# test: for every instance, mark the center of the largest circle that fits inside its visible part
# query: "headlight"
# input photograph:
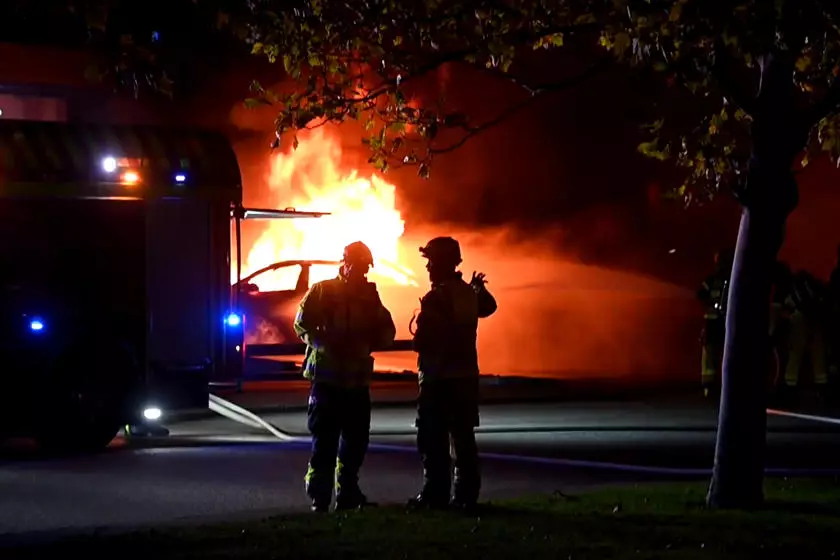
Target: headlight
(152, 413)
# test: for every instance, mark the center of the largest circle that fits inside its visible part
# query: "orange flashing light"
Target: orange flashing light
(130, 178)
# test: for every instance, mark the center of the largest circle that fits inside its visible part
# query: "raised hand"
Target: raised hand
(478, 280)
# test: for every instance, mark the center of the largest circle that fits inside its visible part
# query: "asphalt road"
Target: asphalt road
(213, 468)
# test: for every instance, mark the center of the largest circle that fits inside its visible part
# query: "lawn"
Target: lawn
(801, 520)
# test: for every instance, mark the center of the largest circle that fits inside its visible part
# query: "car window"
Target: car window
(278, 280)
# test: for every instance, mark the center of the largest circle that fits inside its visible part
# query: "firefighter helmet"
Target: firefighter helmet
(357, 253)
(442, 249)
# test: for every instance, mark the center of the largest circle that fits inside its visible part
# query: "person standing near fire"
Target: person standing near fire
(341, 320)
(447, 405)
(713, 294)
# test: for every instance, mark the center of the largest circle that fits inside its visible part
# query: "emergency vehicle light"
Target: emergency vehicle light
(233, 320)
(109, 164)
(36, 325)
(130, 178)
(180, 178)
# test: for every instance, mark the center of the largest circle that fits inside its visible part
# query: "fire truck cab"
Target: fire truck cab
(115, 288)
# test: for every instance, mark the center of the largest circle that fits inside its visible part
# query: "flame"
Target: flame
(362, 208)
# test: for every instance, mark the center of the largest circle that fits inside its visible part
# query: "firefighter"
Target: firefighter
(447, 405)
(780, 311)
(713, 293)
(341, 320)
(806, 299)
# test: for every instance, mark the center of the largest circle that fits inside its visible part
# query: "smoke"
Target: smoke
(559, 317)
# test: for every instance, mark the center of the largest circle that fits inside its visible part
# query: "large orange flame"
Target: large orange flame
(362, 208)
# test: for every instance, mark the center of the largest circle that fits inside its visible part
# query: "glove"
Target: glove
(478, 281)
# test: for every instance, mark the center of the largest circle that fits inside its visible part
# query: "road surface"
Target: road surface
(215, 469)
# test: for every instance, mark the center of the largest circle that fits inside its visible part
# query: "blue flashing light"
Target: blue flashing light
(233, 320)
(109, 164)
(180, 178)
(36, 325)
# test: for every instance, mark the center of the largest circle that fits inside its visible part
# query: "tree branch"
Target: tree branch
(829, 104)
(729, 87)
(534, 94)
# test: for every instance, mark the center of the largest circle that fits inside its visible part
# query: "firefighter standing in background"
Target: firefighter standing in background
(807, 320)
(341, 320)
(713, 293)
(780, 311)
(447, 406)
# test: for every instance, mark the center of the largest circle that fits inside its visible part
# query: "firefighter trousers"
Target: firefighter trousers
(447, 415)
(712, 357)
(806, 338)
(339, 420)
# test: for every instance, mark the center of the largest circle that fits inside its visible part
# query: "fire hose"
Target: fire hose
(244, 416)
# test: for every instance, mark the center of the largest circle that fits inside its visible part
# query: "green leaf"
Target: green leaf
(676, 12)
(621, 43)
(254, 102)
(803, 62)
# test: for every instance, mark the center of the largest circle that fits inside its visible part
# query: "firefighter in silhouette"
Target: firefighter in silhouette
(807, 325)
(713, 293)
(780, 311)
(341, 320)
(447, 406)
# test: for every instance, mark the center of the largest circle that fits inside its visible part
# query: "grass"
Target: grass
(801, 520)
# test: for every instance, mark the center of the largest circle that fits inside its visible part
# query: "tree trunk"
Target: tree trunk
(738, 476)
(778, 136)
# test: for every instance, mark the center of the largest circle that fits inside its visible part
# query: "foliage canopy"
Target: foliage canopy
(357, 59)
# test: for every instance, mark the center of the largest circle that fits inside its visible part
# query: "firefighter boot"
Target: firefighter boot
(433, 445)
(348, 495)
(467, 484)
(318, 488)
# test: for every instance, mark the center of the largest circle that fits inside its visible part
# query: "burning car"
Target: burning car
(270, 314)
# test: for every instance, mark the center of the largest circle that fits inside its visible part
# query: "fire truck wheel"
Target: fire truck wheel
(89, 392)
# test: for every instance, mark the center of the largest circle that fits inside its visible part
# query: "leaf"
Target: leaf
(257, 48)
(676, 12)
(803, 62)
(621, 43)
(254, 102)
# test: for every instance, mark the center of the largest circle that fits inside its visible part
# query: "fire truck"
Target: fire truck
(115, 292)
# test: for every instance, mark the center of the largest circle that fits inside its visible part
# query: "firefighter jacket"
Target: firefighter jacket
(807, 296)
(447, 329)
(834, 291)
(713, 294)
(341, 325)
